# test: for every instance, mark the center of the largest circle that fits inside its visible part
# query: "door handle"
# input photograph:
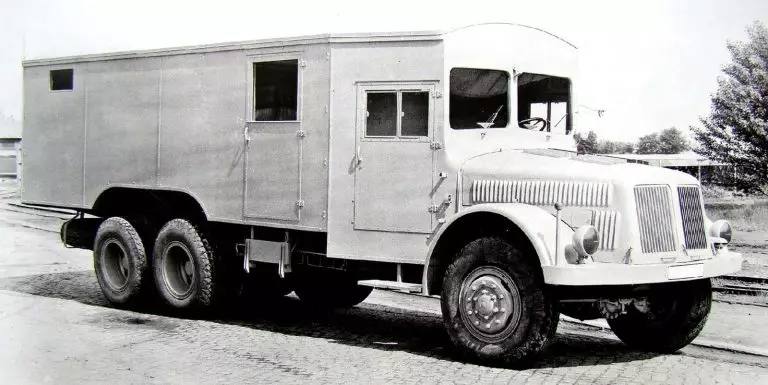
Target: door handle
(245, 135)
(358, 156)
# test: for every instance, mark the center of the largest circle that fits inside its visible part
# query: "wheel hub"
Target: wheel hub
(490, 303)
(178, 269)
(116, 265)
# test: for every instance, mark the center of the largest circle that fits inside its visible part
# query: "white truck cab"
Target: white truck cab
(439, 163)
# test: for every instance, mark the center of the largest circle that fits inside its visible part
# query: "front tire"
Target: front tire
(183, 264)
(677, 313)
(119, 261)
(495, 305)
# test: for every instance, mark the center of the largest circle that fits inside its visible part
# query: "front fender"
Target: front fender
(537, 224)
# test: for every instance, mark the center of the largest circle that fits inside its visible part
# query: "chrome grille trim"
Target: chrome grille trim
(692, 214)
(537, 192)
(654, 217)
(605, 222)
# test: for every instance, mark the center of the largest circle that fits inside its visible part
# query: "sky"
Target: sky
(650, 64)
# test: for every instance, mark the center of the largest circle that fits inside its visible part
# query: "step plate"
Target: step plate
(391, 285)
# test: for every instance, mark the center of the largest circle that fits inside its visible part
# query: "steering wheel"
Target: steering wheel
(534, 122)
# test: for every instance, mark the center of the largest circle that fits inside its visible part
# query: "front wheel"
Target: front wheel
(495, 305)
(676, 314)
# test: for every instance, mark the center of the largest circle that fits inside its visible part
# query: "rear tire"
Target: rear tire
(329, 289)
(678, 312)
(183, 266)
(120, 261)
(495, 305)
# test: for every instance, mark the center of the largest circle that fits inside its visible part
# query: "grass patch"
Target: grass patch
(743, 216)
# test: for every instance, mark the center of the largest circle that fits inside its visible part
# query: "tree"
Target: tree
(736, 131)
(649, 144)
(672, 141)
(586, 145)
(611, 147)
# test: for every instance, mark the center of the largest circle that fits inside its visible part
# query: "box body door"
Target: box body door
(394, 159)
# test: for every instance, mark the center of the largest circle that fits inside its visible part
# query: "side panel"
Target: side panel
(54, 127)
(201, 129)
(175, 122)
(416, 61)
(121, 134)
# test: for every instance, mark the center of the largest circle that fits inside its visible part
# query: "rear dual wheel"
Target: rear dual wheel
(183, 266)
(120, 261)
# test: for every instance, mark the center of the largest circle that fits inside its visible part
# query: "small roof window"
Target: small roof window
(62, 80)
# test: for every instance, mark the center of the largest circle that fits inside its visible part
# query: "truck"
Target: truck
(436, 163)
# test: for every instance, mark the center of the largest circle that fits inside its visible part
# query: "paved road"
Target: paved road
(55, 327)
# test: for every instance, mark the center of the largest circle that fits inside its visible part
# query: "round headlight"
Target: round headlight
(721, 229)
(586, 240)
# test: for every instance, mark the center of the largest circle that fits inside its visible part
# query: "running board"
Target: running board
(391, 285)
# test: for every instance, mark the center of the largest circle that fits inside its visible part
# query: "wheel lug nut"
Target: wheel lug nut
(495, 310)
(488, 326)
(498, 321)
(474, 287)
(501, 296)
(486, 317)
(484, 291)
(469, 312)
(503, 310)
(477, 323)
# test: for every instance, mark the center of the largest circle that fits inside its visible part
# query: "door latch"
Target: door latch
(435, 146)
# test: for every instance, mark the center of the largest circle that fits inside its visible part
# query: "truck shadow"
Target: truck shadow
(366, 325)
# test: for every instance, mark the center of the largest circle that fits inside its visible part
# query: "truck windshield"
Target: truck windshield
(479, 98)
(544, 103)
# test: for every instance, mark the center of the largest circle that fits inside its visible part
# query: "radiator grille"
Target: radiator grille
(605, 223)
(654, 216)
(692, 216)
(537, 192)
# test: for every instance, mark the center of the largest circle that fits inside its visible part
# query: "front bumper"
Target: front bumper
(595, 274)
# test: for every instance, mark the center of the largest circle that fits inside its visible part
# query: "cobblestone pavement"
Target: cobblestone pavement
(55, 327)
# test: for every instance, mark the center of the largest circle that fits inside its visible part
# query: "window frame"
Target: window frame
(568, 130)
(364, 88)
(50, 79)
(511, 99)
(251, 94)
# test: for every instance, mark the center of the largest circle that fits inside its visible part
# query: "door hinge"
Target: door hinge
(438, 94)
(433, 208)
(299, 203)
(435, 146)
(303, 63)
(301, 133)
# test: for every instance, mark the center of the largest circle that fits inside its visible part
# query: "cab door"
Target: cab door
(394, 157)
